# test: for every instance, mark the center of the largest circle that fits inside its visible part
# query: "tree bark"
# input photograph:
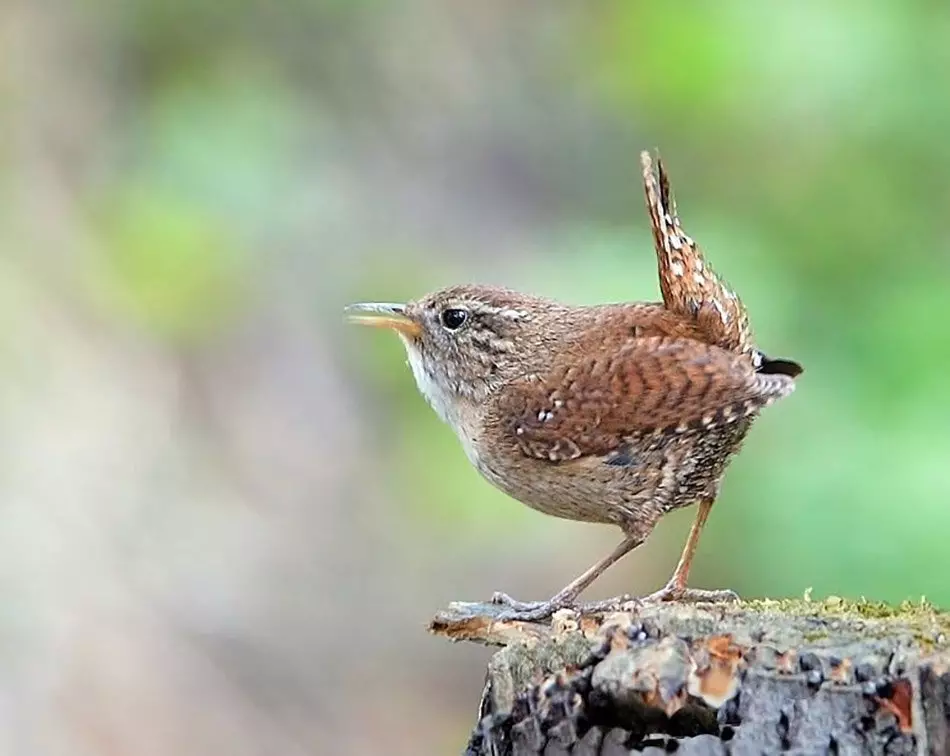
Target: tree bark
(794, 677)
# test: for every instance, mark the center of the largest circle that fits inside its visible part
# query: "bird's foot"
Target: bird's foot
(669, 592)
(530, 611)
(504, 599)
(674, 592)
(534, 611)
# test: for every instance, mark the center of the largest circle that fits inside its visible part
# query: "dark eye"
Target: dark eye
(453, 318)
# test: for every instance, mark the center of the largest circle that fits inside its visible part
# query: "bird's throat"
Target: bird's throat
(436, 394)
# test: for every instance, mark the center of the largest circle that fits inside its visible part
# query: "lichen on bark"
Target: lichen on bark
(797, 675)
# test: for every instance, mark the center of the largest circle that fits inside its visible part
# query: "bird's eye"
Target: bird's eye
(453, 318)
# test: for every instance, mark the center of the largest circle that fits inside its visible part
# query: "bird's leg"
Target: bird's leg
(538, 610)
(676, 589)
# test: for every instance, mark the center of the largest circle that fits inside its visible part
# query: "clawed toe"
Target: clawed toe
(722, 595)
(528, 611)
(534, 611)
(540, 612)
(673, 592)
(504, 599)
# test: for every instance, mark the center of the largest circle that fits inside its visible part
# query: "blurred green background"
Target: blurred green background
(227, 518)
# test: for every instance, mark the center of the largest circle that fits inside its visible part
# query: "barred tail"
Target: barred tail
(690, 286)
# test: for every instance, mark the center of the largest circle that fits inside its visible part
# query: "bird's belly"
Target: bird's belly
(585, 490)
(634, 495)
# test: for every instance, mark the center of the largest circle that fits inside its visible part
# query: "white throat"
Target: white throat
(436, 395)
(451, 409)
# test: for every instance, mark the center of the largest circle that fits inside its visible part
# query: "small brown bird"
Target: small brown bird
(613, 413)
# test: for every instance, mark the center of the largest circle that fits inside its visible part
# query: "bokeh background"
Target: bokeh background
(225, 519)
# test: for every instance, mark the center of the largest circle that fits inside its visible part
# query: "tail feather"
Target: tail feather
(768, 366)
(689, 284)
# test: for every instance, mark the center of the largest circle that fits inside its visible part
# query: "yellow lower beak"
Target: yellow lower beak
(382, 315)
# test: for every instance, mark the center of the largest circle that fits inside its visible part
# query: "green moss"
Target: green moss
(927, 625)
(835, 606)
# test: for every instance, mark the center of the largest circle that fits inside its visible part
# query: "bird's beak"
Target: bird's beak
(383, 315)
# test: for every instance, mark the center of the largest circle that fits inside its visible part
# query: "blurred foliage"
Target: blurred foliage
(165, 266)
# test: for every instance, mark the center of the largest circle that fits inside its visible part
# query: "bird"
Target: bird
(614, 413)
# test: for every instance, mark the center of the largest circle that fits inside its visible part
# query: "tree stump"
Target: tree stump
(761, 677)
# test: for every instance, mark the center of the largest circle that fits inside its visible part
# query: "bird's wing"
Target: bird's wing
(593, 405)
(689, 284)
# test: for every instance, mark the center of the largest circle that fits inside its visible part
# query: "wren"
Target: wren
(615, 413)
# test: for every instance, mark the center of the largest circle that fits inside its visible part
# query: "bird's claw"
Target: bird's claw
(534, 611)
(527, 611)
(504, 599)
(673, 592)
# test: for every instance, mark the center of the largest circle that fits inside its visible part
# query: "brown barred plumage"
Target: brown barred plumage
(613, 413)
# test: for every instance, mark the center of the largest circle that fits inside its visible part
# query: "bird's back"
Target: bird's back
(643, 405)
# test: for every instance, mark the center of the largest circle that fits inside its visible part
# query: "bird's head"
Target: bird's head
(465, 341)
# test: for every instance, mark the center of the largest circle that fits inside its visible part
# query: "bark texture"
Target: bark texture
(793, 677)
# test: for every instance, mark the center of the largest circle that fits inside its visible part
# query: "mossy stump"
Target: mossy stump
(760, 677)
